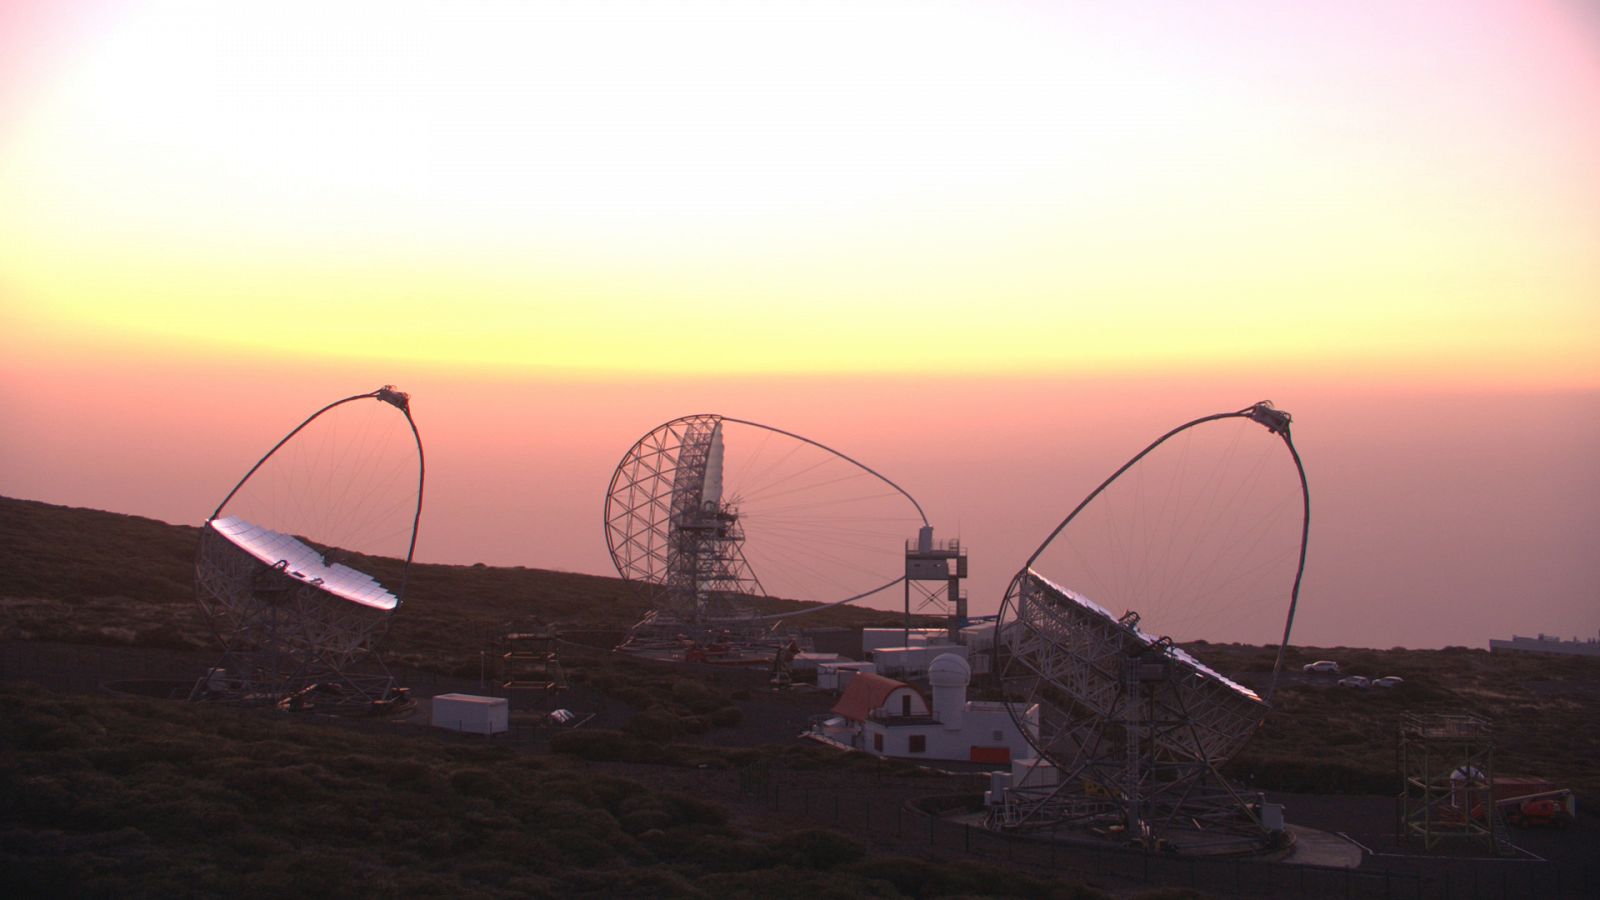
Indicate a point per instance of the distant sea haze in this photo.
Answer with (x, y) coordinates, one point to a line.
(1438, 518)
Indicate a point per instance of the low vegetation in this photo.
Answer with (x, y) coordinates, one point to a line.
(1327, 739)
(130, 797)
(89, 577)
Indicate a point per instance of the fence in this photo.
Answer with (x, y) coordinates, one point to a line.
(879, 805)
(900, 816)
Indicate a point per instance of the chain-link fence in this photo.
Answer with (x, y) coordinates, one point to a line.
(895, 812)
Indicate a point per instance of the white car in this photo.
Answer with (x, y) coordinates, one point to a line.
(1388, 681)
(1355, 681)
(1322, 665)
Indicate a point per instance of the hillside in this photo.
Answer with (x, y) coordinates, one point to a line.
(143, 798)
(87, 576)
(1322, 738)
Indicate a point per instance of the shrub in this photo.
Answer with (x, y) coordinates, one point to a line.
(596, 744)
(406, 773)
(818, 848)
(496, 872)
(253, 845)
(580, 848)
(693, 810)
(908, 876)
(629, 883)
(634, 697)
(475, 783)
(654, 725)
(641, 820)
(695, 695)
(604, 790)
(723, 853)
(785, 883)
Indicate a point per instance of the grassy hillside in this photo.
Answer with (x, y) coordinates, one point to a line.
(1321, 738)
(135, 798)
(86, 576)
(92, 577)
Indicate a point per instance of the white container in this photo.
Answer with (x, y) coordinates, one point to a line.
(873, 638)
(1033, 772)
(471, 714)
(912, 662)
(807, 662)
(999, 783)
(900, 662)
(835, 676)
(1272, 816)
(978, 638)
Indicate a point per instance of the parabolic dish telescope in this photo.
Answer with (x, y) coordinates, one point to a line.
(707, 514)
(1200, 537)
(283, 576)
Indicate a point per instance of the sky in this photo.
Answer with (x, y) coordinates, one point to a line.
(989, 248)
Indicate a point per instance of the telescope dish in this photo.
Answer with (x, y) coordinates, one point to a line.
(1200, 537)
(706, 513)
(285, 562)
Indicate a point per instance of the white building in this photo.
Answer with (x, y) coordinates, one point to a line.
(886, 717)
(1546, 643)
(835, 676)
(811, 662)
(913, 661)
(1026, 772)
(471, 713)
(874, 638)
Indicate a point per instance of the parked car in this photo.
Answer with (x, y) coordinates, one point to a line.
(1322, 665)
(1355, 681)
(1388, 681)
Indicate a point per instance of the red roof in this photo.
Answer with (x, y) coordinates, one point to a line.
(865, 693)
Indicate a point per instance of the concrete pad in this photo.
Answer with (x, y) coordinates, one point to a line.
(1319, 848)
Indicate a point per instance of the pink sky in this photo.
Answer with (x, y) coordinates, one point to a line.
(988, 249)
(1439, 517)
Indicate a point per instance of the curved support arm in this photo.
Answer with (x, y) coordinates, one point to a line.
(857, 463)
(618, 474)
(829, 605)
(1275, 421)
(1294, 595)
(387, 394)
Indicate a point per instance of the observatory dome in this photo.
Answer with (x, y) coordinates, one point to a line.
(949, 670)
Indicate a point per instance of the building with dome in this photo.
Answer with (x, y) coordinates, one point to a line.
(886, 717)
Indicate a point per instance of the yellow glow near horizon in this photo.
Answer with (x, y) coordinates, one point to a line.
(817, 188)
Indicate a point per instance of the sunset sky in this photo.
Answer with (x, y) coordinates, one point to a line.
(994, 247)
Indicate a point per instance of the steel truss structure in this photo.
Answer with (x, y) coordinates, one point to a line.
(298, 629)
(674, 536)
(1447, 777)
(528, 666)
(1136, 728)
(707, 576)
(680, 547)
(934, 572)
